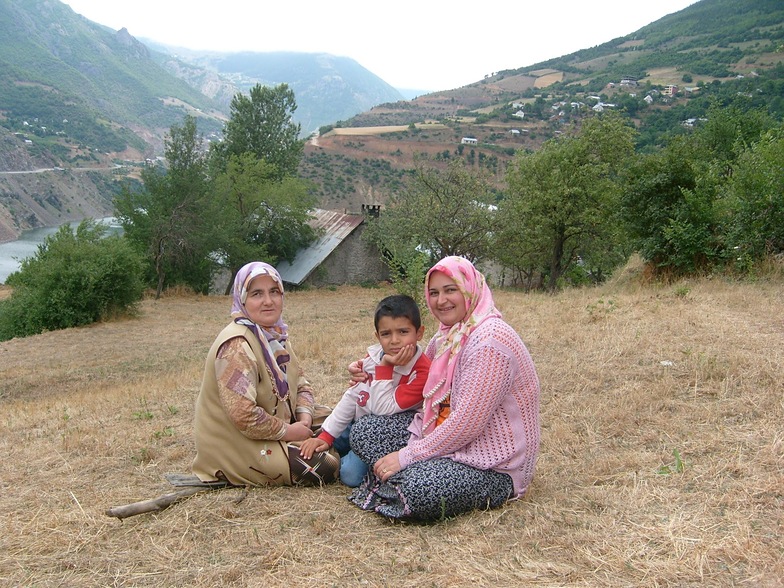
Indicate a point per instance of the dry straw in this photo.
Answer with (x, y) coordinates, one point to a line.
(662, 458)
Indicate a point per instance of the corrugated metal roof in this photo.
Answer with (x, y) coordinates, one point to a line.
(333, 228)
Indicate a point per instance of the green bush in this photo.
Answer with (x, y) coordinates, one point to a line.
(754, 202)
(75, 278)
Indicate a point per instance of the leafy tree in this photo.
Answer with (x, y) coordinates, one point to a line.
(261, 216)
(562, 202)
(444, 212)
(727, 132)
(673, 208)
(168, 219)
(75, 278)
(408, 265)
(653, 199)
(754, 203)
(261, 123)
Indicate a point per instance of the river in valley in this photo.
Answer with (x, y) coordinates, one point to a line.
(13, 252)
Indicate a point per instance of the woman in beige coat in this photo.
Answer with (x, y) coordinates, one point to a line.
(255, 404)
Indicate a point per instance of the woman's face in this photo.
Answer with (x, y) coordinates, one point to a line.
(445, 300)
(264, 303)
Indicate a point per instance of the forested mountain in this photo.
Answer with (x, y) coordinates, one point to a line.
(76, 95)
(58, 67)
(327, 87)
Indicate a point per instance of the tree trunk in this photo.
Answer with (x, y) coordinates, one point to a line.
(556, 261)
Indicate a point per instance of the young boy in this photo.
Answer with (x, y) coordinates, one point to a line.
(397, 370)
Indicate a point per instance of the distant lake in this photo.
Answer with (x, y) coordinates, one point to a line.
(13, 252)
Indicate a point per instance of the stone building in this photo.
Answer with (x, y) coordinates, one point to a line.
(339, 255)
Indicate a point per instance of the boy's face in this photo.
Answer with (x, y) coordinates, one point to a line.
(394, 333)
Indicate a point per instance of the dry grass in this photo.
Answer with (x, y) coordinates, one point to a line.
(93, 417)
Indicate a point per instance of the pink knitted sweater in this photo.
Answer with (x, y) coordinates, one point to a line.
(494, 419)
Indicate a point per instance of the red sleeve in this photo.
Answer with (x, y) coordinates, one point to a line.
(384, 371)
(408, 393)
(324, 436)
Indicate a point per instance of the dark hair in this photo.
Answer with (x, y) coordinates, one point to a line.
(396, 306)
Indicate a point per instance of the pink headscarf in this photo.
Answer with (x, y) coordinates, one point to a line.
(273, 338)
(451, 340)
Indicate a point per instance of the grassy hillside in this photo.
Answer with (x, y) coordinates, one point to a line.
(660, 462)
(58, 67)
(712, 38)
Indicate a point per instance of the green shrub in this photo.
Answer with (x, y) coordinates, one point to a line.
(75, 278)
(754, 203)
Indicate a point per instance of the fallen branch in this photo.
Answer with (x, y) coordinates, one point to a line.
(155, 504)
(190, 485)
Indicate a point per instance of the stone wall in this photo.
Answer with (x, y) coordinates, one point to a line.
(354, 261)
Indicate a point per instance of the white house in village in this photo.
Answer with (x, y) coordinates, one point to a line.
(519, 114)
(469, 141)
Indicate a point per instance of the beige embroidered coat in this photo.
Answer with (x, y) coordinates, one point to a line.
(220, 445)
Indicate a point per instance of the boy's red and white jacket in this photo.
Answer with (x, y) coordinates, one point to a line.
(389, 389)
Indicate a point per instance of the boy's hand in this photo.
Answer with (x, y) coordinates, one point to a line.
(311, 446)
(402, 357)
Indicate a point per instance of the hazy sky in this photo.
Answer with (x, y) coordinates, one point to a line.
(420, 45)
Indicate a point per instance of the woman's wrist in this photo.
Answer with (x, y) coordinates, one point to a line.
(304, 415)
(402, 458)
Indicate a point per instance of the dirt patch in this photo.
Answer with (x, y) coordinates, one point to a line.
(665, 76)
(367, 130)
(549, 79)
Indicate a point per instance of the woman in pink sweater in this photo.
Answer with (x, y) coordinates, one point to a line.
(475, 442)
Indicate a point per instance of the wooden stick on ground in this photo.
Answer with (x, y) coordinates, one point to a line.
(154, 504)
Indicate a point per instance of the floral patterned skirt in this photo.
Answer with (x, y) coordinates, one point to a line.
(430, 490)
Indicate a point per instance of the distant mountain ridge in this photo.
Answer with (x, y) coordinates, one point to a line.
(75, 94)
(663, 77)
(327, 87)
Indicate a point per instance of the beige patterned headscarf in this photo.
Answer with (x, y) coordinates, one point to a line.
(272, 339)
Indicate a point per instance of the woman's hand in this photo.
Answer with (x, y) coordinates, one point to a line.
(297, 432)
(356, 375)
(387, 466)
(305, 418)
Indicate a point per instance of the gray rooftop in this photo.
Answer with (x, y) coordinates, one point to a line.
(333, 227)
